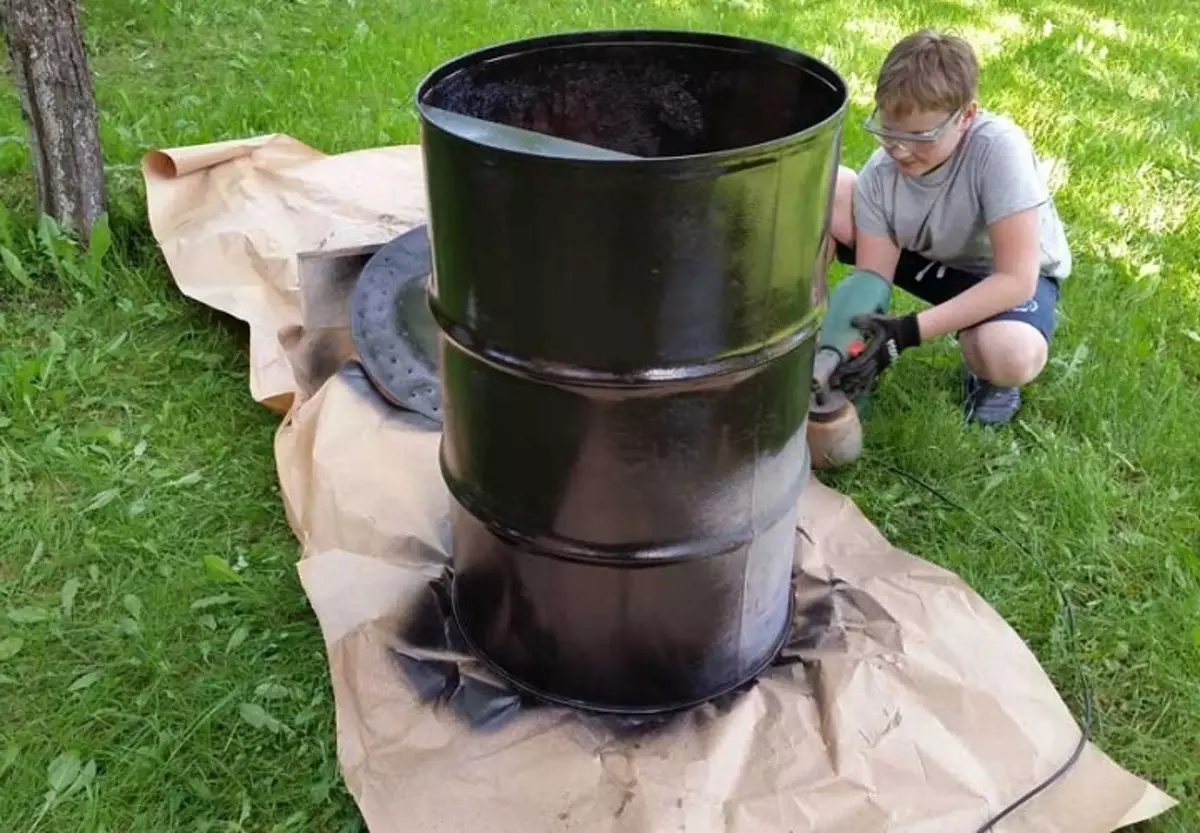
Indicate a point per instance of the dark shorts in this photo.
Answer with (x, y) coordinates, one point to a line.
(934, 283)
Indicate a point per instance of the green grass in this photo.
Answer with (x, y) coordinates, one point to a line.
(146, 692)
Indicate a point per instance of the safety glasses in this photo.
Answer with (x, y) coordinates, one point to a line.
(887, 137)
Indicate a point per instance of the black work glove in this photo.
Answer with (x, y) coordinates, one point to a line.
(897, 333)
(887, 336)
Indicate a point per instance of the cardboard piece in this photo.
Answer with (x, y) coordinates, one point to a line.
(903, 702)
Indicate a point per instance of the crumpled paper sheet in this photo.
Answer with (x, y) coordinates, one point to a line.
(231, 218)
(903, 703)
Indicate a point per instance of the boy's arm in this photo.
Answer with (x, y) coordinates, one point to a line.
(874, 250)
(876, 253)
(1011, 193)
(1011, 190)
(1016, 260)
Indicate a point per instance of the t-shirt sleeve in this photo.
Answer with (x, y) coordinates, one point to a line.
(1009, 177)
(870, 215)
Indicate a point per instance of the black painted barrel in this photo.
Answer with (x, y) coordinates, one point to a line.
(626, 347)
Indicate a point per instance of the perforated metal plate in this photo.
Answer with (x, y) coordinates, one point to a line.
(394, 333)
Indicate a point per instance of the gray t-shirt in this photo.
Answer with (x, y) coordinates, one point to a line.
(944, 215)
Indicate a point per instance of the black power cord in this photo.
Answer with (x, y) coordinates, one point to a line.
(1069, 615)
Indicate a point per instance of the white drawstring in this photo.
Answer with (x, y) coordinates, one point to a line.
(941, 272)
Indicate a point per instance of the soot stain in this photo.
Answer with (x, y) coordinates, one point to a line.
(355, 376)
(429, 654)
(827, 611)
(432, 653)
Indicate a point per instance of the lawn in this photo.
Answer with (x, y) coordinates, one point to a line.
(143, 692)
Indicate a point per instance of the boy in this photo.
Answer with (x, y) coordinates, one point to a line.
(953, 209)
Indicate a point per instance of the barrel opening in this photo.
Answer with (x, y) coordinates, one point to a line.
(647, 98)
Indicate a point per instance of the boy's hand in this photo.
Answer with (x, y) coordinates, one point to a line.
(887, 337)
(897, 332)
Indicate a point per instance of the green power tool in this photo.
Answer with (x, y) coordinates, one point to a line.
(834, 427)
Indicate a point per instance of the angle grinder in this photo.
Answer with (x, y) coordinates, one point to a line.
(834, 424)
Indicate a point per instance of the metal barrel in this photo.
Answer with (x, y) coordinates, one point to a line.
(626, 346)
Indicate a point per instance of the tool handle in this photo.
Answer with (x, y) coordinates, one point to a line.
(860, 293)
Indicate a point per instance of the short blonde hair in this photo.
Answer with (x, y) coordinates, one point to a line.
(927, 71)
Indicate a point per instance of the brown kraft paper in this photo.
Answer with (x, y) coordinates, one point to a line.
(903, 702)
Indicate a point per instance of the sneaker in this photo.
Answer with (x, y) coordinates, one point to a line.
(988, 404)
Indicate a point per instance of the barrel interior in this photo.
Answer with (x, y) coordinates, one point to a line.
(648, 98)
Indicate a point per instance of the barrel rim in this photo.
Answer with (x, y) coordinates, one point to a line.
(633, 554)
(683, 37)
(563, 374)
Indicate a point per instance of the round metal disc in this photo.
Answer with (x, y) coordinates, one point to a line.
(394, 332)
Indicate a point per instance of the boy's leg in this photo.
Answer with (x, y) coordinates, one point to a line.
(1005, 353)
(1010, 353)
(840, 241)
(841, 226)
(1001, 354)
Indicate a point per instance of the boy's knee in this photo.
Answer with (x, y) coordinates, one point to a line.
(842, 222)
(1006, 353)
(847, 178)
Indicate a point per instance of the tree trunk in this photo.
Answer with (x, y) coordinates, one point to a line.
(45, 43)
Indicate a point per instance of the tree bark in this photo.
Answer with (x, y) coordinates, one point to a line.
(45, 44)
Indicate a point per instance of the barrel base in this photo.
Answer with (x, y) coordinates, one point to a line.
(615, 709)
(603, 643)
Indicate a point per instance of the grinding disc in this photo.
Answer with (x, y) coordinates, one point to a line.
(394, 332)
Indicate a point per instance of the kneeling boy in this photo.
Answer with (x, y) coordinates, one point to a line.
(953, 208)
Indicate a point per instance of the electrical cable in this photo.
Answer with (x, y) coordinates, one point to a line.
(1069, 616)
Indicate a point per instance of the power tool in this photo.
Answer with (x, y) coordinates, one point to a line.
(834, 423)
